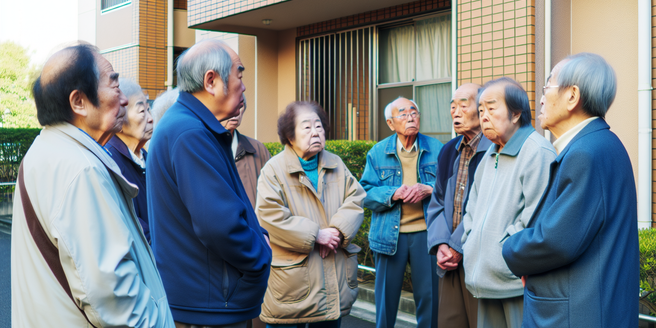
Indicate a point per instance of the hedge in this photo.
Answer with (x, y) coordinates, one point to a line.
(647, 239)
(14, 143)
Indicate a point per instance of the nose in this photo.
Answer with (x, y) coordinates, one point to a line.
(123, 100)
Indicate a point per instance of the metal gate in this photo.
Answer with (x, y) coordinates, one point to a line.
(336, 71)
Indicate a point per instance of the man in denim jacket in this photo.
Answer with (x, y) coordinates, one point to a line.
(399, 178)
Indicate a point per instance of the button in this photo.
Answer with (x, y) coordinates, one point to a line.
(398, 173)
(396, 227)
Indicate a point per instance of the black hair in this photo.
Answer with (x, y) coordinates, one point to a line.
(82, 74)
(287, 121)
(515, 97)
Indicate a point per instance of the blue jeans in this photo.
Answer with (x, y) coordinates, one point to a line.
(389, 279)
(322, 324)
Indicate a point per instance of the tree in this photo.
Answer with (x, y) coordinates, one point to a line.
(17, 109)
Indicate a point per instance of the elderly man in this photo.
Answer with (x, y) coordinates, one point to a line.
(579, 253)
(78, 254)
(399, 177)
(250, 155)
(127, 147)
(211, 251)
(457, 164)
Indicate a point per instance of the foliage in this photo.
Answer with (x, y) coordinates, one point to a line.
(17, 109)
(647, 239)
(14, 143)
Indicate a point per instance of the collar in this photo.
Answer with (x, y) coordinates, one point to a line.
(516, 142)
(562, 142)
(421, 142)
(243, 145)
(594, 125)
(120, 146)
(400, 146)
(473, 143)
(203, 113)
(326, 161)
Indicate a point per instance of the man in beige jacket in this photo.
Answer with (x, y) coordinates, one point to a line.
(84, 206)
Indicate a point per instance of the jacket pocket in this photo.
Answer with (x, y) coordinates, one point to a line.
(289, 281)
(386, 176)
(351, 265)
(545, 311)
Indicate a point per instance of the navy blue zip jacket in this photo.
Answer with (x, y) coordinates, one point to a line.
(209, 247)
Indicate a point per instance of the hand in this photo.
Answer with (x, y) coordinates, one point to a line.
(328, 237)
(457, 257)
(325, 251)
(267, 240)
(523, 281)
(400, 192)
(417, 193)
(445, 258)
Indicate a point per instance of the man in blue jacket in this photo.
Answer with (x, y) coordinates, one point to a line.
(399, 177)
(457, 164)
(212, 254)
(578, 255)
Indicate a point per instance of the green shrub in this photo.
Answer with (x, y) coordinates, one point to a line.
(14, 143)
(647, 239)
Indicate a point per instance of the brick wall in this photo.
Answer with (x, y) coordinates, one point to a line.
(152, 46)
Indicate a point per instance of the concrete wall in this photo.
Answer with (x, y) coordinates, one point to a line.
(86, 21)
(182, 35)
(247, 56)
(618, 44)
(115, 28)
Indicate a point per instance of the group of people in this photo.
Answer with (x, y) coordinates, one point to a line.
(500, 228)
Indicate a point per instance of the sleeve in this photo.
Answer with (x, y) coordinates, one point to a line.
(350, 215)
(379, 197)
(95, 249)
(202, 176)
(438, 231)
(534, 178)
(566, 228)
(291, 232)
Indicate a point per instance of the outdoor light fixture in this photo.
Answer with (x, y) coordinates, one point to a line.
(267, 21)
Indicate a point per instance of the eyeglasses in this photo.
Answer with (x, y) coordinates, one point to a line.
(405, 116)
(544, 88)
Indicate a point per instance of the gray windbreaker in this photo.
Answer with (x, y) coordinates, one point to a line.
(507, 188)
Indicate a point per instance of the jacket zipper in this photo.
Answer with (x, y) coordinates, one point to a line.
(480, 237)
(226, 282)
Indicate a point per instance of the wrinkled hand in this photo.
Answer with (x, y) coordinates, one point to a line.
(417, 193)
(445, 258)
(329, 237)
(400, 192)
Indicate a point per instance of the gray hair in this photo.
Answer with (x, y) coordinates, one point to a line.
(129, 87)
(207, 55)
(163, 103)
(388, 108)
(594, 77)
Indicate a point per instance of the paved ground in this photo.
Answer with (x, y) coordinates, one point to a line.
(5, 286)
(5, 278)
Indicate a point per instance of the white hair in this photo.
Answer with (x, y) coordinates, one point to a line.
(388, 108)
(163, 103)
(212, 56)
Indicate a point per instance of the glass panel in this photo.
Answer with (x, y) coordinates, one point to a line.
(433, 101)
(397, 53)
(386, 96)
(434, 48)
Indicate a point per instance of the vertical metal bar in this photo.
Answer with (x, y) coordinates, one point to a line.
(356, 130)
(323, 78)
(351, 80)
(372, 107)
(341, 37)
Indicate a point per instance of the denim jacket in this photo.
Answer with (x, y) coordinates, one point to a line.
(382, 176)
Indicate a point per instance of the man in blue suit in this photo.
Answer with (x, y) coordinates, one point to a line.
(578, 256)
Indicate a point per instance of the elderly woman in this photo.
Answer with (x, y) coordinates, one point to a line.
(311, 206)
(126, 147)
(508, 184)
(250, 155)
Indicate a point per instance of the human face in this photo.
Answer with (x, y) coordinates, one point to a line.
(309, 136)
(410, 125)
(465, 112)
(233, 123)
(228, 105)
(107, 119)
(495, 121)
(138, 123)
(553, 101)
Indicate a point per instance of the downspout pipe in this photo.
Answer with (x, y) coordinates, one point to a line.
(169, 46)
(547, 52)
(454, 53)
(644, 115)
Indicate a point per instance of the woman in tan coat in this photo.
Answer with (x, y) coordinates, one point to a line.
(311, 206)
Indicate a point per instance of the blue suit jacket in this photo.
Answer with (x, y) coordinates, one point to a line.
(580, 249)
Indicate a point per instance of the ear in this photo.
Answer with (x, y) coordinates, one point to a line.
(78, 102)
(209, 81)
(573, 95)
(515, 117)
(389, 123)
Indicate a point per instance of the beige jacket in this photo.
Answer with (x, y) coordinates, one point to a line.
(303, 287)
(87, 211)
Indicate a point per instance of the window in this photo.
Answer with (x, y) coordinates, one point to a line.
(107, 5)
(415, 60)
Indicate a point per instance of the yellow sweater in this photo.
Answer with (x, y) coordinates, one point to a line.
(412, 215)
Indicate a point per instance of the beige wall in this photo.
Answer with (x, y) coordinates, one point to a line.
(182, 35)
(286, 68)
(617, 42)
(267, 86)
(114, 28)
(247, 56)
(86, 22)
